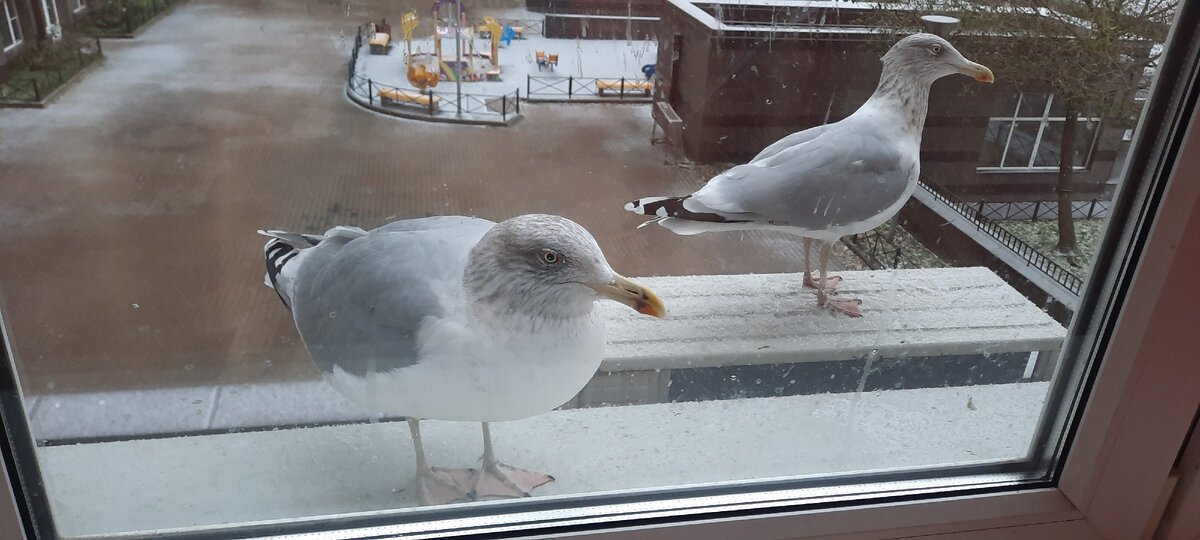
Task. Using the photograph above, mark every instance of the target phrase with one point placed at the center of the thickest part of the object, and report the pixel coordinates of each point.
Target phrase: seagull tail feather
(672, 213)
(283, 248)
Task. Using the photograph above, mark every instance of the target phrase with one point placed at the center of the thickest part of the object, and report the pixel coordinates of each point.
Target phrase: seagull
(833, 180)
(453, 318)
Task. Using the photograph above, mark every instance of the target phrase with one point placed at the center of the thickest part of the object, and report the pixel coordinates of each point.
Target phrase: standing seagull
(829, 181)
(453, 318)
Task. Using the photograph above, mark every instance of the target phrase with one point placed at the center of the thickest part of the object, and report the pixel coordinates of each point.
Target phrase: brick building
(30, 21)
(739, 75)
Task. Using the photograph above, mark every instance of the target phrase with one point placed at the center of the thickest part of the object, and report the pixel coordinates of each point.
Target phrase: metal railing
(569, 88)
(35, 84)
(1002, 211)
(479, 106)
(875, 249)
(1032, 256)
(132, 15)
(528, 26)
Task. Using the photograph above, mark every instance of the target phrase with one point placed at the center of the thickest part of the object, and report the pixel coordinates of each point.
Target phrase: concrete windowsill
(210, 480)
(229, 476)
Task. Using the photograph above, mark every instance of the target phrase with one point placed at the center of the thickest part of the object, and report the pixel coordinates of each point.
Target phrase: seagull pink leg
(849, 306)
(811, 277)
(437, 485)
(495, 479)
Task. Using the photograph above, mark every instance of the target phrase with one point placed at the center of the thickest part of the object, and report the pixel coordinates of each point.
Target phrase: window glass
(211, 334)
(995, 141)
(1032, 105)
(1021, 143)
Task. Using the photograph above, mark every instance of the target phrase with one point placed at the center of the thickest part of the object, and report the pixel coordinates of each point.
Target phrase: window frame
(1133, 417)
(13, 22)
(1044, 121)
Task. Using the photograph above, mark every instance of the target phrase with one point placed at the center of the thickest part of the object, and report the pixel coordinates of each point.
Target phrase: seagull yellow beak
(977, 71)
(627, 292)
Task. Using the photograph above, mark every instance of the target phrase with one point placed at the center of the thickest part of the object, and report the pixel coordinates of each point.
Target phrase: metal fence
(876, 249)
(486, 107)
(35, 83)
(1036, 210)
(1032, 256)
(527, 26)
(442, 104)
(569, 88)
(132, 15)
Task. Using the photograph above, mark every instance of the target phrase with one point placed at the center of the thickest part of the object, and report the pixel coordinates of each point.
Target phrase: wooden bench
(398, 96)
(629, 85)
(379, 43)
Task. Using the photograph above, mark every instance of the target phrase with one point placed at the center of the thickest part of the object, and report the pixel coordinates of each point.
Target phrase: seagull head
(548, 266)
(928, 57)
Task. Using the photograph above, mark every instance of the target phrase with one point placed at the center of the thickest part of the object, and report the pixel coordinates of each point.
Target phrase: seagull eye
(937, 49)
(550, 257)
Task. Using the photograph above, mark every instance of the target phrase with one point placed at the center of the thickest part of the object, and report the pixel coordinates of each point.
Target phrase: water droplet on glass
(189, 367)
(769, 102)
(332, 314)
(135, 306)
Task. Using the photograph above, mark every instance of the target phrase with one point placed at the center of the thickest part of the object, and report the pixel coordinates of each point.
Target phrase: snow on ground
(591, 58)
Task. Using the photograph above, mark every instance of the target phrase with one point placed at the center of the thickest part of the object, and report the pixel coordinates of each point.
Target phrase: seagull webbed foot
(811, 279)
(440, 485)
(506, 481)
(837, 304)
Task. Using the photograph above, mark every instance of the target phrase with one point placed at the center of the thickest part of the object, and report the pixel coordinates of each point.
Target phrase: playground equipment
(461, 31)
(425, 69)
(496, 33)
(408, 23)
(421, 78)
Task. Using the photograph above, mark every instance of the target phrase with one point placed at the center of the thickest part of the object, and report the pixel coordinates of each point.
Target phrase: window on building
(1025, 134)
(10, 31)
(78, 5)
(52, 11)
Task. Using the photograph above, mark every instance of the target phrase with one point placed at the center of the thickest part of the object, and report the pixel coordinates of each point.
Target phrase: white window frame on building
(13, 25)
(1044, 121)
(79, 5)
(51, 9)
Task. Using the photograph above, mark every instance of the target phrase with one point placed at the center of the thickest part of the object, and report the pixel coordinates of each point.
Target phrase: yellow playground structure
(456, 62)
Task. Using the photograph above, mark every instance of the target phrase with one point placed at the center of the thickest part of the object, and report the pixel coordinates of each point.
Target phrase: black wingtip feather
(673, 208)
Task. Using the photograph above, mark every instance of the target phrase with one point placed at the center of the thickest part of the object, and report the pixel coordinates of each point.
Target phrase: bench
(399, 96)
(629, 85)
(379, 43)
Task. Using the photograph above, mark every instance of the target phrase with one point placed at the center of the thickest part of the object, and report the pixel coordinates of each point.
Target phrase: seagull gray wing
(360, 301)
(790, 141)
(843, 176)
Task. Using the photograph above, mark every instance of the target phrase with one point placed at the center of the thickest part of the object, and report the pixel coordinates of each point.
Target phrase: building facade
(29, 21)
(740, 75)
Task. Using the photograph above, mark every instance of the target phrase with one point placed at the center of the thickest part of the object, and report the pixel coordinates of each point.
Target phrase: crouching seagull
(453, 318)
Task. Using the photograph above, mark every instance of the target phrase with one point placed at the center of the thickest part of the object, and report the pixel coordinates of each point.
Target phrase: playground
(412, 67)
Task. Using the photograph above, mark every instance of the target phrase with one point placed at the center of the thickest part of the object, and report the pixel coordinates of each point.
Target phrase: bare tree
(1093, 54)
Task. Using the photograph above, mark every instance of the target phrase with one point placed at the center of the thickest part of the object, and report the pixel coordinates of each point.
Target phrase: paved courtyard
(130, 204)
